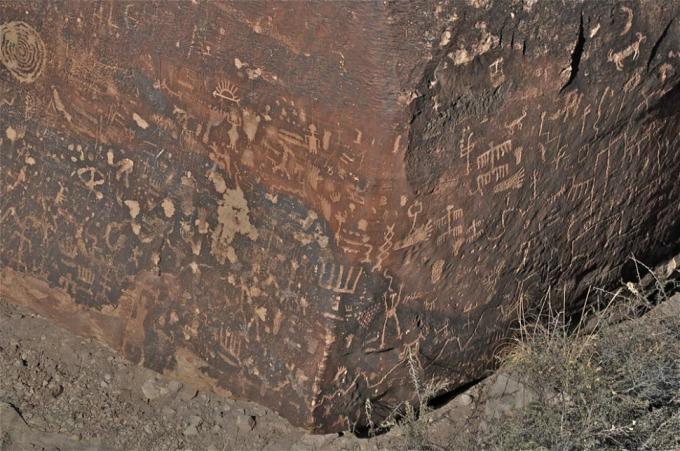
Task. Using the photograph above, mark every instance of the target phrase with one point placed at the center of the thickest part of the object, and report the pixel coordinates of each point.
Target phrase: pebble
(187, 393)
(194, 422)
(465, 399)
(174, 387)
(246, 422)
(153, 389)
(190, 430)
(55, 389)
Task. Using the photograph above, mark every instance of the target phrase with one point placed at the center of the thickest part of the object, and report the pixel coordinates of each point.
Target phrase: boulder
(301, 203)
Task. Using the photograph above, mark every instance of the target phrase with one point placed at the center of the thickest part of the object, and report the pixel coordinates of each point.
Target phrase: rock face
(284, 202)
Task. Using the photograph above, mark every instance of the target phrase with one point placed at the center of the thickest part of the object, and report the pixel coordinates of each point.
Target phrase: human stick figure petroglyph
(391, 300)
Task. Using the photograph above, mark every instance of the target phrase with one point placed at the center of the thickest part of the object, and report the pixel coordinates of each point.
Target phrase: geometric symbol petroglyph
(333, 277)
(22, 51)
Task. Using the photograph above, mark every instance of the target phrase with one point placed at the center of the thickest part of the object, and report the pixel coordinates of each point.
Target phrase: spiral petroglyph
(22, 51)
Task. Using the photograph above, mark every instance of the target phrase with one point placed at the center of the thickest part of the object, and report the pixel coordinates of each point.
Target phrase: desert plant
(408, 419)
(605, 384)
(606, 378)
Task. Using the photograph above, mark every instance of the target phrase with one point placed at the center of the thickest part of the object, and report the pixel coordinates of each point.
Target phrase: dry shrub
(408, 418)
(612, 382)
(608, 379)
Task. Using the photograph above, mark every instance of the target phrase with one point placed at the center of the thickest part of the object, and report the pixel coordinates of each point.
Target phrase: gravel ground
(59, 391)
(62, 392)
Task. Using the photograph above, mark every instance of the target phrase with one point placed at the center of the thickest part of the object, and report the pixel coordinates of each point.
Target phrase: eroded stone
(284, 204)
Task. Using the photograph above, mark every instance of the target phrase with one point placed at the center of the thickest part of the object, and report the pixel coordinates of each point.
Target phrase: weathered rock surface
(16, 435)
(282, 202)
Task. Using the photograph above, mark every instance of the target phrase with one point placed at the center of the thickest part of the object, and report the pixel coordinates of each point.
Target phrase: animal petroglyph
(632, 50)
(517, 123)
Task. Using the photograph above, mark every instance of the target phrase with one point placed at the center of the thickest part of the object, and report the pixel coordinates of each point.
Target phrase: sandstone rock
(246, 422)
(504, 393)
(194, 423)
(187, 393)
(153, 389)
(284, 204)
(167, 411)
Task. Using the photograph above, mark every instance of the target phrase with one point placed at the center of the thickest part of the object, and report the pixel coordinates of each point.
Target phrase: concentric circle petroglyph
(22, 51)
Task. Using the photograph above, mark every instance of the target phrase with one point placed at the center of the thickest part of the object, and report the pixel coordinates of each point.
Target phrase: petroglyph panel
(284, 203)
